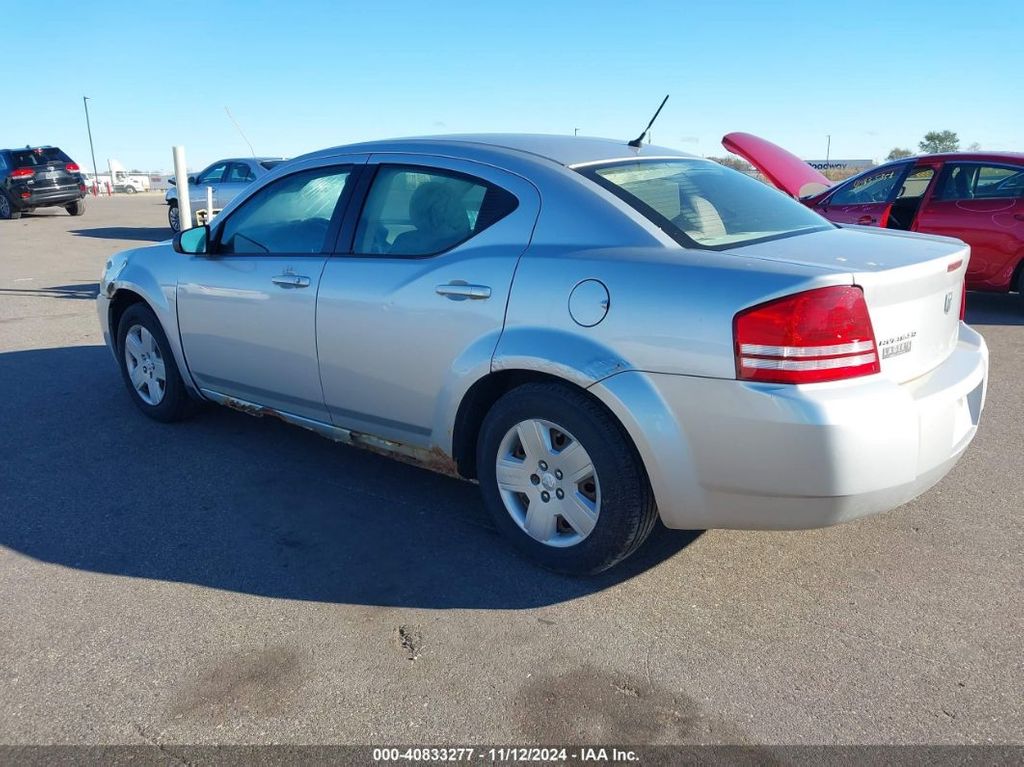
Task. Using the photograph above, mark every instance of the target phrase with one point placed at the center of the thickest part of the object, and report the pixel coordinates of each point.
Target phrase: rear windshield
(268, 164)
(702, 204)
(26, 158)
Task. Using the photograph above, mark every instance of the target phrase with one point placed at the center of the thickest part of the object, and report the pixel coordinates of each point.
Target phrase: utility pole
(828, 148)
(95, 171)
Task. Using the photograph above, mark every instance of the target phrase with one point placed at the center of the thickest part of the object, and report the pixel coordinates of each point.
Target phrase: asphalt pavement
(231, 579)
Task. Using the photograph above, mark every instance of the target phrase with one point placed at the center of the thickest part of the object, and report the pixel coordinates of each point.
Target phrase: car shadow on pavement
(139, 233)
(995, 309)
(251, 505)
(84, 290)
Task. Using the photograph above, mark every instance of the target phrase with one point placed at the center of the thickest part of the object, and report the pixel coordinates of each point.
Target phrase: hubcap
(548, 483)
(145, 365)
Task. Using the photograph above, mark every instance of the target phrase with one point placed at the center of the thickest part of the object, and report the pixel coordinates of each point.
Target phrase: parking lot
(234, 580)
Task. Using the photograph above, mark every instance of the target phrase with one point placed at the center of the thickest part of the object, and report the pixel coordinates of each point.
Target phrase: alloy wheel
(145, 365)
(548, 483)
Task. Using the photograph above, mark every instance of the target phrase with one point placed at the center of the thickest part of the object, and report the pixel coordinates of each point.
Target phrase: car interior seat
(439, 217)
(699, 218)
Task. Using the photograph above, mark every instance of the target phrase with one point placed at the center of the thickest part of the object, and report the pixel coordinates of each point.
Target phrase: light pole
(95, 171)
(828, 148)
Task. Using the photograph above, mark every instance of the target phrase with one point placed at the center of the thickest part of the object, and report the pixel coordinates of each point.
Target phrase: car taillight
(22, 173)
(818, 335)
(71, 167)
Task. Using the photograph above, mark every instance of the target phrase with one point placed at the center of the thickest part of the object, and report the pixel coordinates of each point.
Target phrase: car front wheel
(173, 218)
(562, 479)
(148, 367)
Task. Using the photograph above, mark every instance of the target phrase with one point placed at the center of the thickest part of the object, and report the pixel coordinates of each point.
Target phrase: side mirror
(172, 182)
(191, 179)
(193, 242)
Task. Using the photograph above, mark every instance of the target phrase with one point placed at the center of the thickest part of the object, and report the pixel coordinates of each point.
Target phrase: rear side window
(240, 173)
(412, 211)
(703, 204)
(290, 216)
(268, 164)
(876, 186)
(27, 158)
(972, 181)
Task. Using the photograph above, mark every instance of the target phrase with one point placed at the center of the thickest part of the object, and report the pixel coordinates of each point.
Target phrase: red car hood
(783, 169)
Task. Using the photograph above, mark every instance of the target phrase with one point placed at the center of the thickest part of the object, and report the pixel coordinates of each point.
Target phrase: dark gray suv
(38, 177)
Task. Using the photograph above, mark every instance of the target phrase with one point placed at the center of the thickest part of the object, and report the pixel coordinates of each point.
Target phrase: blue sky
(306, 74)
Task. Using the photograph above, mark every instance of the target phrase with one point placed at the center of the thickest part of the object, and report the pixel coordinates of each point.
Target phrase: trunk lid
(913, 286)
(783, 169)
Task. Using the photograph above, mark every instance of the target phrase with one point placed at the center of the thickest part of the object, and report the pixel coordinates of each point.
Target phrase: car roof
(564, 150)
(247, 159)
(982, 156)
(29, 148)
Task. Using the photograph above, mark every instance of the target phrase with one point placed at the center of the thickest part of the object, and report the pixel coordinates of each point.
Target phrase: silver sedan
(600, 335)
(224, 179)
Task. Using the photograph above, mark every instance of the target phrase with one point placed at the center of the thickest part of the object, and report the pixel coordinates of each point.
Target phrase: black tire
(76, 208)
(7, 211)
(176, 403)
(129, 190)
(172, 216)
(627, 513)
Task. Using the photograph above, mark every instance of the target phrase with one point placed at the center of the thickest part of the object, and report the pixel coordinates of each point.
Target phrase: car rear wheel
(129, 190)
(173, 219)
(148, 367)
(7, 211)
(562, 479)
(76, 208)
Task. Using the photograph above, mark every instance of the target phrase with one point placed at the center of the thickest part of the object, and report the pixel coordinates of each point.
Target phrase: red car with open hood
(977, 197)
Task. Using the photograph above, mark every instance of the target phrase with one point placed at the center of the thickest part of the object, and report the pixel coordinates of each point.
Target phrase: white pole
(209, 203)
(181, 182)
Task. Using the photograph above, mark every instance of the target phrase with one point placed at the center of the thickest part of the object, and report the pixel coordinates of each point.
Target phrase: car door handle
(866, 220)
(291, 281)
(460, 291)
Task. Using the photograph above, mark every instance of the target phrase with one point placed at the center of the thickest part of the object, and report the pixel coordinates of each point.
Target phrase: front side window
(412, 211)
(213, 175)
(703, 204)
(915, 184)
(875, 186)
(291, 215)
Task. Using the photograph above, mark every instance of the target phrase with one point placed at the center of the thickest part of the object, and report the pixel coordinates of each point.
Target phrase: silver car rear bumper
(723, 453)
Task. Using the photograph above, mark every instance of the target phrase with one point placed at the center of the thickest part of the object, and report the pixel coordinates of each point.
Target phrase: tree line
(934, 142)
